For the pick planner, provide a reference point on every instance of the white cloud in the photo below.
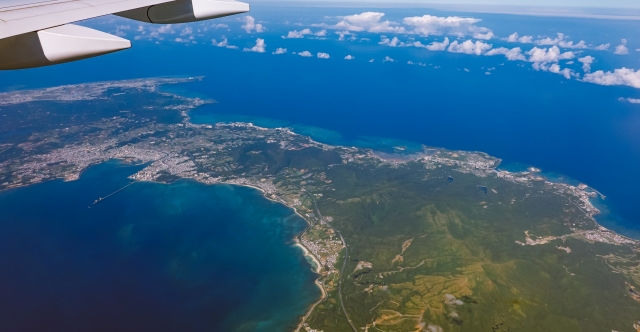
(386, 59)
(372, 60)
(120, 30)
(484, 35)
(280, 50)
(469, 47)
(185, 40)
(550, 42)
(450, 299)
(526, 39)
(349, 57)
(622, 48)
(154, 33)
(547, 59)
(298, 34)
(434, 46)
(622, 76)
(569, 44)
(630, 100)
(515, 38)
(435, 25)
(251, 25)
(555, 68)
(223, 43)
(186, 31)
(587, 61)
(391, 42)
(552, 54)
(367, 21)
(424, 25)
(258, 48)
(344, 34)
(438, 46)
(602, 47)
(511, 54)
(560, 41)
(220, 26)
(323, 55)
(419, 63)
(165, 29)
(305, 54)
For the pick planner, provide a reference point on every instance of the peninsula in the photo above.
(439, 240)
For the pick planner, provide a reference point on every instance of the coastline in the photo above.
(604, 215)
(309, 254)
(484, 165)
(306, 252)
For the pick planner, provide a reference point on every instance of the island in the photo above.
(436, 240)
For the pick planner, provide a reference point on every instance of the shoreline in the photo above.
(496, 169)
(307, 253)
(599, 225)
(305, 250)
(580, 193)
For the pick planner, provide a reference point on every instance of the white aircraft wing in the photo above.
(37, 33)
(22, 16)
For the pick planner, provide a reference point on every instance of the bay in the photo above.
(153, 257)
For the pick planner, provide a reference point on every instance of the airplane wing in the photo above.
(22, 16)
(32, 30)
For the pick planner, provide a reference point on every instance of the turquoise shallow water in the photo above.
(153, 257)
(609, 216)
(518, 114)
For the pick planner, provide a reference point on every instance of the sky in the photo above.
(511, 3)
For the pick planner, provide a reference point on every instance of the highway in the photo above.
(344, 263)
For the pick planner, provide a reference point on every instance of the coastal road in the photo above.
(344, 263)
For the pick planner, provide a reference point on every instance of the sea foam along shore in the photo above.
(306, 252)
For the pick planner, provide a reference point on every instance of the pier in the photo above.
(113, 193)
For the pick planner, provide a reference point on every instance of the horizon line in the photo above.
(605, 13)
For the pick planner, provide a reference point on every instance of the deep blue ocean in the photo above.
(153, 257)
(572, 130)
